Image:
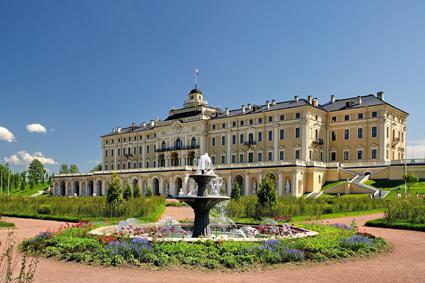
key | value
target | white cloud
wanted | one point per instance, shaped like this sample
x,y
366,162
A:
x,y
6,135
23,157
416,149
36,128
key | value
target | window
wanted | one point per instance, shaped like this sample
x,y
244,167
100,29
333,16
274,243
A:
x,y
134,165
388,132
298,115
333,119
282,134
282,117
241,138
260,120
360,133
374,153
147,149
140,150
251,121
112,152
234,139
297,133
119,152
347,117
270,118
112,166
106,167
213,159
374,114
242,123
213,127
129,151
193,142
251,138
234,124
147,164
270,156
270,135
347,134
260,156
250,157
333,134
374,132
321,156
118,167
346,154
360,154
223,140
333,156
260,136
297,154
106,153
123,166
281,155
316,133
360,116
140,165
213,141
223,159
310,154
223,125
241,158
233,158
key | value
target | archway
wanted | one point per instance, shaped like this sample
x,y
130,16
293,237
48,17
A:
x,y
98,187
135,185
174,159
62,188
178,184
190,158
155,185
367,173
76,188
90,188
239,180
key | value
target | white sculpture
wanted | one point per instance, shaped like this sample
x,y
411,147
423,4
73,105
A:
x,y
288,187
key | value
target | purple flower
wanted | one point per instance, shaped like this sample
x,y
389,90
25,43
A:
x,y
356,241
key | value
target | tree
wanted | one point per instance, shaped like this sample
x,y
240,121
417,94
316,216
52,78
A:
x,y
64,169
267,195
73,169
98,167
36,172
410,179
149,192
236,191
137,192
22,185
114,198
128,192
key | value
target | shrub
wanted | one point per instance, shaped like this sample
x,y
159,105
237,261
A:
x,y
114,197
44,209
236,191
137,192
267,196
128,192
149,192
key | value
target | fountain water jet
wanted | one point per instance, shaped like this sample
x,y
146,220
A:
x,y
202,203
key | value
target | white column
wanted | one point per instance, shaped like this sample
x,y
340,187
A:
x,y
229,184
202,144
247,189
186,183
294,184
161,186
280,184
104,187
171,185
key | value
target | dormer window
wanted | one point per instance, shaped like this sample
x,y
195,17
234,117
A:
x,y
347,104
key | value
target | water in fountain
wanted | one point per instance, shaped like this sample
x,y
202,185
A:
x,y
204,165
169,227
193,188
216,184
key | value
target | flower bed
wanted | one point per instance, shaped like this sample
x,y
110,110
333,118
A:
x,y
74,243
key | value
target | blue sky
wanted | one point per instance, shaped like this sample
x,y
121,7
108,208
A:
x,y
80,68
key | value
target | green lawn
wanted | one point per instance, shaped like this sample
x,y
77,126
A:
x,y
28,191
4,224
418,188
385,184
395,225
328,185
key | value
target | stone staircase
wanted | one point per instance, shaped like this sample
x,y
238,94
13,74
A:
x,y
313,195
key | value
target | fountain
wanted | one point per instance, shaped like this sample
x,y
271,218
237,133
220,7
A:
x,y
203,202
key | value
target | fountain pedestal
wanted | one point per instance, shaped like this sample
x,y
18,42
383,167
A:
x,y
202,204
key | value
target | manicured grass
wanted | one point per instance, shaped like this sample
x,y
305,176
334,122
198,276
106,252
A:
x,y
4,224
298,219
28,191
385,184
328,185
382,222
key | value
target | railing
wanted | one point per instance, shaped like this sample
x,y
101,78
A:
x,y
181,147
249,143
128,155
318,141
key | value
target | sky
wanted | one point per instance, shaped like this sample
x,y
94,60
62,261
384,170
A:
x,y
71,71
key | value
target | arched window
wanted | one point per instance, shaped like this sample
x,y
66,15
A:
x,y
178,143
251,138
163,145
193,142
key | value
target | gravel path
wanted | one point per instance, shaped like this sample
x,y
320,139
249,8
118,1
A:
x,y
405,263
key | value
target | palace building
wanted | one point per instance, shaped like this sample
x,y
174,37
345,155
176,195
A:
x,y
300,142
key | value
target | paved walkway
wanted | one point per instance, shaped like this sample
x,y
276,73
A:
x,y
406,263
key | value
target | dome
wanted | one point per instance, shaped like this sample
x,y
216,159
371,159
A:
x,y
195,90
